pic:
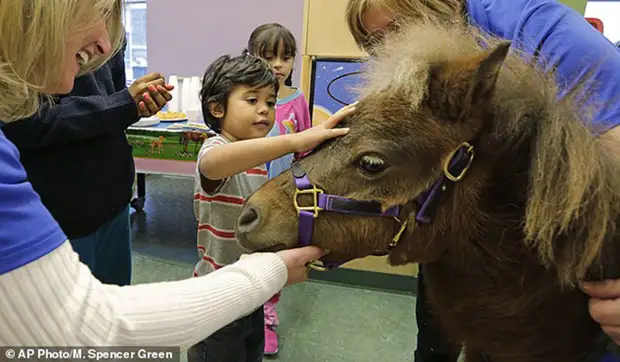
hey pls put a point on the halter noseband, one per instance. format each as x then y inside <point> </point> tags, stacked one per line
<point>454,169</point>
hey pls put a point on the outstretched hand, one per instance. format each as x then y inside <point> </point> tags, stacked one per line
<point>605,305</point>
<point>314,136</point>
<point>296,261</point>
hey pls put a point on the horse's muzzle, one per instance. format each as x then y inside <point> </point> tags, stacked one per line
<point>248,220</point>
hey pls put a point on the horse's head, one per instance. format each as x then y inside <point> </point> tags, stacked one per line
<point>442,112</point>
<point>404,134</point>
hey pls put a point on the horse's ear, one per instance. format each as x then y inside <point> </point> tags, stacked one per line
<point>459,87</point>
<point>484,78</point>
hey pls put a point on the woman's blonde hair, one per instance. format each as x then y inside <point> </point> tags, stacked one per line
<point>405,10</point>
<point>33,41</point>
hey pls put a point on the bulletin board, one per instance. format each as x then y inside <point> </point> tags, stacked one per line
<point>578,5</point>
<point>333,85</point>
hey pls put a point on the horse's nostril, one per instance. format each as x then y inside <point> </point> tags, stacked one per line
<point>248,219</point>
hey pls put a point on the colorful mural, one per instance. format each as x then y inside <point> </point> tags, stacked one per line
<point>333,86</point>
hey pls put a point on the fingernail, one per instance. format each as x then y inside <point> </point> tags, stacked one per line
<point>152,88</point>
<point>146,96</point>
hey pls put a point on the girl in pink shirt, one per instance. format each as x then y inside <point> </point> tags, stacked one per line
<point>276,45</point>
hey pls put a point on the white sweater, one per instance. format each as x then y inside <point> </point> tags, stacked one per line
<point>56,301</point>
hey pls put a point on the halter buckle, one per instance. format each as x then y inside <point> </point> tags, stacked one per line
<point>396,238</point>
<point>317,265</point>
<point>446,165</point>
<point>314,191</point>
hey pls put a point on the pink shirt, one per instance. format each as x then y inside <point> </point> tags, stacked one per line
<point>292,116</point>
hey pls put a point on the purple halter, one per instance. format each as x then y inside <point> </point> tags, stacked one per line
<point>457,163</point>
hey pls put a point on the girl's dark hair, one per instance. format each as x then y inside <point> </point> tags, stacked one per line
<point>266,39</point>
<point>227,72</point>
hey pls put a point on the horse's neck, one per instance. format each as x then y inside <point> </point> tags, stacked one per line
<point>490,207</point>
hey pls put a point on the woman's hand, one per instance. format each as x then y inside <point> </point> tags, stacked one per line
<point>314,136</point>
<point>155,99</point>
<point>605,305</point>
<point>296,261</point>
<point>151,93</point>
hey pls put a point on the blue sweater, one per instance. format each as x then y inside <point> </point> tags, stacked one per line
<point>27,230</point>
<point>76,154</point>
<point>565,41</point>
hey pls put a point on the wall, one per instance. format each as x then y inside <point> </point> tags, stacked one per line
<point>185,36</point>
<point>608,12</point>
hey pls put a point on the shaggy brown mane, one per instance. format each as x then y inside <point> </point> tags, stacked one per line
<point>574,189</point>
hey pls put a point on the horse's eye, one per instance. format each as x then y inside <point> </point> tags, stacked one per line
<point>372,164</point>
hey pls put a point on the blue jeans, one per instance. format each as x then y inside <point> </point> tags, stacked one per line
<point>107,251</point>
<point>241,341</point>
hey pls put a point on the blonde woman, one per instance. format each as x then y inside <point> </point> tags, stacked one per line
<point>545,29</point>
<point>48,297</point>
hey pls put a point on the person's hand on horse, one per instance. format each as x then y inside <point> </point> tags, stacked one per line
<point>314,136</point>
<point>151,93</point>
<point>605,305</point>
<point>296,261</point>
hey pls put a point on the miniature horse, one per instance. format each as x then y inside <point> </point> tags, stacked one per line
<point>465,156</point>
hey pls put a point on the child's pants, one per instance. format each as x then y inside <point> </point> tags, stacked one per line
<point>271,317</point>
<point>241,341</point>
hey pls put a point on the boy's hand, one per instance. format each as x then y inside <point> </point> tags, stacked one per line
<point>314,136</point>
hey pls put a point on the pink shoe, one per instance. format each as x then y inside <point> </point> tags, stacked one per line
<point>271,341</point>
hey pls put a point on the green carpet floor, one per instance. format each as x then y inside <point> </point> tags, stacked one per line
<point>322,322</point>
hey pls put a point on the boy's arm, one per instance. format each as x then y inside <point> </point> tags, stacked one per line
<point>236,157</point>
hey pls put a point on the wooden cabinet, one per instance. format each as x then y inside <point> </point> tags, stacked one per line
<point>325,30</point>
<point>325,34</point>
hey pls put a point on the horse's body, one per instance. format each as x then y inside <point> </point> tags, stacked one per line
<point>532,211</point>
<point>192,136</point>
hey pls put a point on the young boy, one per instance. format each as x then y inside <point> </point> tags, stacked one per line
<point>238,101</point>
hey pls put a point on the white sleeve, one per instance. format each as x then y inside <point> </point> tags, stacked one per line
<point>56,301</point>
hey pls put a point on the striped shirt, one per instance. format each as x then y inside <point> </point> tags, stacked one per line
<point>217,212</point>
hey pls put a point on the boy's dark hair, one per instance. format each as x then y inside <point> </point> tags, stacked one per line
<point>266,38</point>
<point>227,72</point>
